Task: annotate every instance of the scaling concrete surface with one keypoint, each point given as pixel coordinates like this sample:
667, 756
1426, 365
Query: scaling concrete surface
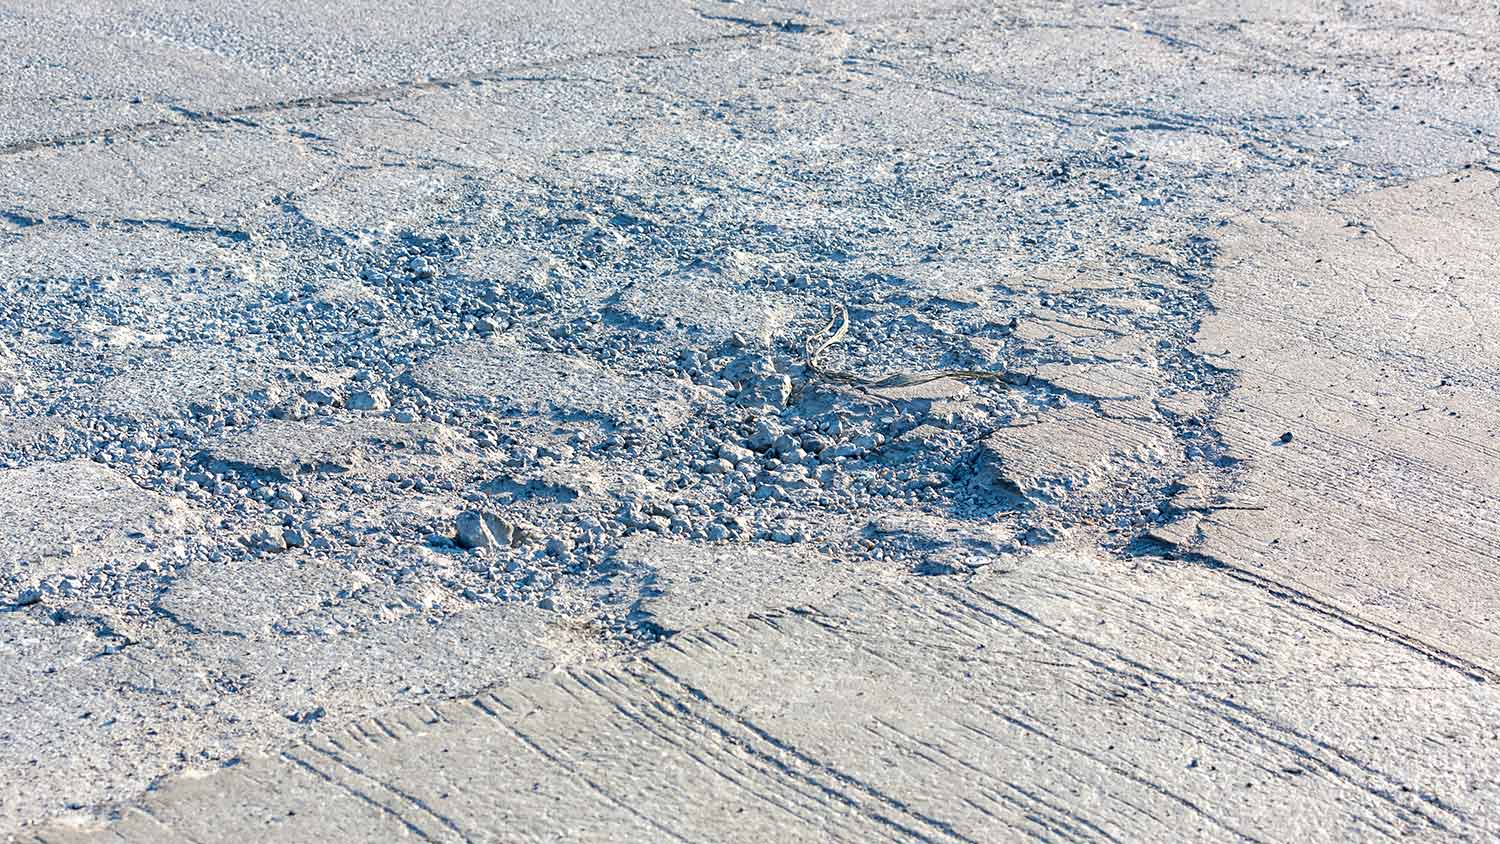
288, 292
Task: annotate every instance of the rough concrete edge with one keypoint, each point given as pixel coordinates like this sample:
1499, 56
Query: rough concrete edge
1173, 546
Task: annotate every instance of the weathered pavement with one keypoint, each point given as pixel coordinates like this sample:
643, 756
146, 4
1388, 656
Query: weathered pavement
289, 296
1061, 700
1058, 697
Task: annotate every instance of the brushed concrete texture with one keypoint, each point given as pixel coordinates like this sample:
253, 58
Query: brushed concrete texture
1366, 330
1063, 699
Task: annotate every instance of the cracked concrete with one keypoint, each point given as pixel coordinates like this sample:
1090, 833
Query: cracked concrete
282, 300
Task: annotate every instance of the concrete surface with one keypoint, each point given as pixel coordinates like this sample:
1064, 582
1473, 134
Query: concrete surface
1367, 331
1062, 700
289, 293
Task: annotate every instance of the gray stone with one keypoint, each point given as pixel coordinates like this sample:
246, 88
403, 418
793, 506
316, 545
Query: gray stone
766, 434
267, 540
483, 529
735, 454
373, 400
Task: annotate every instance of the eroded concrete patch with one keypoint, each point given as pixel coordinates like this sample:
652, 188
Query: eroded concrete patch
68, 519
1075, 455
508, 373
172, 381
282, 449
707, 302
